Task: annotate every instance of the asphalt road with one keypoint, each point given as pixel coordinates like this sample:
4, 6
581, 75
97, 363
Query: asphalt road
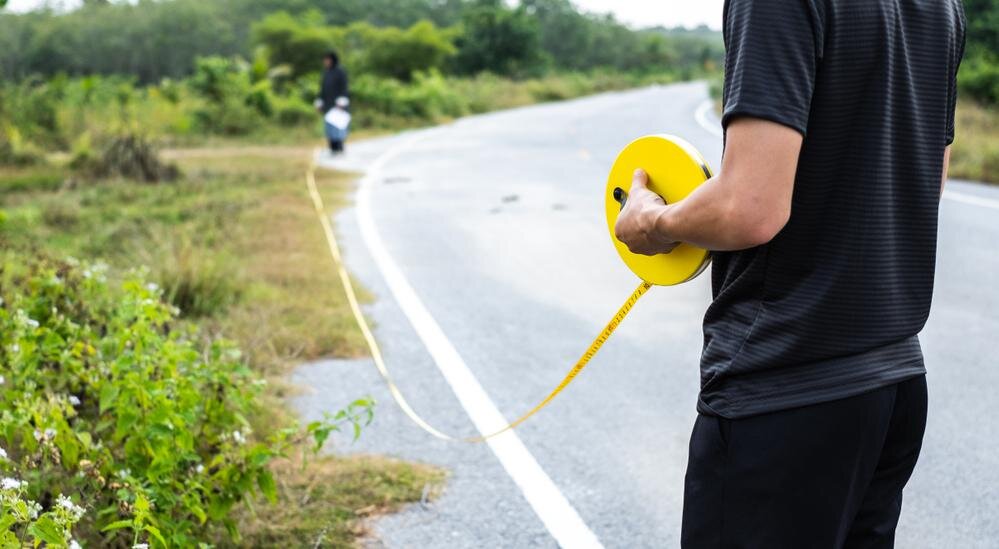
496, 223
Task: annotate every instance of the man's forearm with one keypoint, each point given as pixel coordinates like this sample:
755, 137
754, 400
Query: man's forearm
746, 204
711, 218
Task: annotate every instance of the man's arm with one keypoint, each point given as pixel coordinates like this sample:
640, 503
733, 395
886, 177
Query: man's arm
746, 204
946, 167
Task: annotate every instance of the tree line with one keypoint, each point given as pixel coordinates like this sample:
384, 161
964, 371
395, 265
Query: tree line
153, 40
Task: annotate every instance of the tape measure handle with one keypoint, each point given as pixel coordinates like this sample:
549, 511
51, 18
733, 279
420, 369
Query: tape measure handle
620, 196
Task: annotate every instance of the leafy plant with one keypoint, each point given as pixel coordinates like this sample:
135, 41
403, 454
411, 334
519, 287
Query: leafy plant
107, 396
23, 518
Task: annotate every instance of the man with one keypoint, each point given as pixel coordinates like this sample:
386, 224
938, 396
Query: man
333, 94
838, 117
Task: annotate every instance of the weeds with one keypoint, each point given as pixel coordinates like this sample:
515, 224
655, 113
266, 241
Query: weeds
126, 156
198, 282
975, 153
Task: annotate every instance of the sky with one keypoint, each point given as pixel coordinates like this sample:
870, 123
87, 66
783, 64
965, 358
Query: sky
635, 13
668, 13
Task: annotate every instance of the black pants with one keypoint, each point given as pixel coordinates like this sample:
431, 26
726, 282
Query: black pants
823, 476
336, 145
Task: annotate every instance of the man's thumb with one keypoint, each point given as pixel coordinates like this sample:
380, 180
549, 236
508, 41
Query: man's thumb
640, 179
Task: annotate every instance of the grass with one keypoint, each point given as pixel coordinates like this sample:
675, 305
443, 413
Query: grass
975, 154
327, 503
236, 245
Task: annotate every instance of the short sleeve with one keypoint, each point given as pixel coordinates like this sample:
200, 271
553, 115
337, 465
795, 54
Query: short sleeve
957, 54
772, 51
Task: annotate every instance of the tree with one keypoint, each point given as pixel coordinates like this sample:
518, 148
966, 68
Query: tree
301, 42
399, 53
979, 76
497, 39
298, 42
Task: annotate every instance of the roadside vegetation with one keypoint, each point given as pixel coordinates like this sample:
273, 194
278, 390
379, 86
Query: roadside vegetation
161, 269
975, 154
150, 398
190, 72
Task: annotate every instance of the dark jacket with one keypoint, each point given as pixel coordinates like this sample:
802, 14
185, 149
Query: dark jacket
334, 84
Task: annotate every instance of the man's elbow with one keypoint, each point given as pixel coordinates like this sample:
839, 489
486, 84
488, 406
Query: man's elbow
758, 226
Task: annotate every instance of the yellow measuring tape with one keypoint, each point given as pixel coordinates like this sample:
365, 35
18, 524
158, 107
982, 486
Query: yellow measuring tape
645, 152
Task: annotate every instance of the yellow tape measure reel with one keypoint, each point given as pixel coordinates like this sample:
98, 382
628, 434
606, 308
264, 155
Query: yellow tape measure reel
675, 169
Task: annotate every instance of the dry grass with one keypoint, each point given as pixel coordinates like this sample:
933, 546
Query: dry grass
293, 308
328, 502
975, 154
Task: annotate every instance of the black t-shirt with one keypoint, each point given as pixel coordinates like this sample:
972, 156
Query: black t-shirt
830, 308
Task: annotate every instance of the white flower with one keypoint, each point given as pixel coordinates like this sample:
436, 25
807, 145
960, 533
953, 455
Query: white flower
74, 545
3, 453
124, 473
8, 483
38, 435
34, 509
152, 287
141, 546
50, 433
3, 380
68, 505
74, 400
238, 437
200, 468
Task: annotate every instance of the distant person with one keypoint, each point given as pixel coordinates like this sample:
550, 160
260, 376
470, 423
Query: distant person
838, 118
334, 102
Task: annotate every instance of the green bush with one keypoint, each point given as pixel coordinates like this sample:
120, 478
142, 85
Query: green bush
498, 39
32, 107
233, 105
300, 43
979, 77
294, 112
400, 53
17, 151
296, 42
20, 514
107, 396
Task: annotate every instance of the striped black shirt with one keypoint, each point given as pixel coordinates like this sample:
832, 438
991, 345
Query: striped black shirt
830, 308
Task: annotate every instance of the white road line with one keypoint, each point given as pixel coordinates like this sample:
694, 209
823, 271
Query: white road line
701, 115
971, 199
703, 120
548, 502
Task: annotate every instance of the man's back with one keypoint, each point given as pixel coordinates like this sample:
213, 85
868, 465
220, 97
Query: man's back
830, 308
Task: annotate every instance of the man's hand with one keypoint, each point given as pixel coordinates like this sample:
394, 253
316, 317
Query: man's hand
636, 226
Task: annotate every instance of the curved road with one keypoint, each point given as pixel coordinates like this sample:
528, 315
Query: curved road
495, 223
